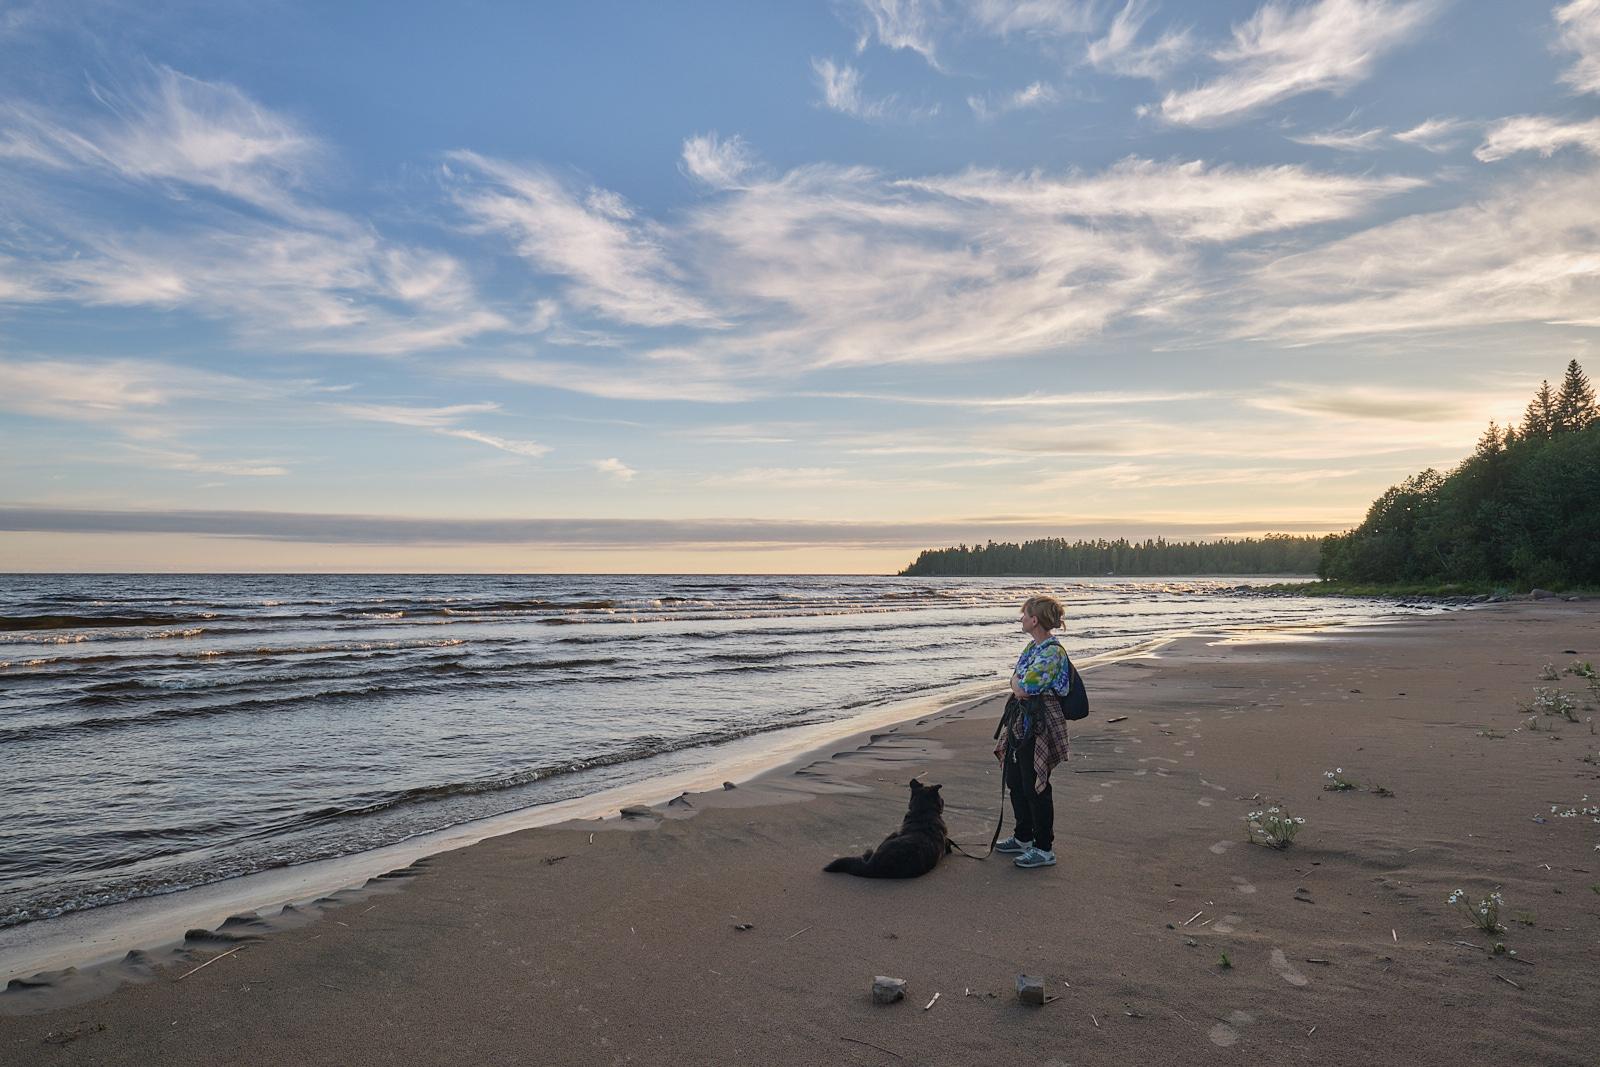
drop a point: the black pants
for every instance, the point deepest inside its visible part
(1035, 812)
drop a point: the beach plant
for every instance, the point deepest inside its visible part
(1557, 702)
(1223, 961)
(1338, 783)
(1583, 669)
(1485, 915)
(1549, 673)
(1491, 734)
(1273, 827)
(1382, 791)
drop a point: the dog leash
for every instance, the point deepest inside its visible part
(1012, 707)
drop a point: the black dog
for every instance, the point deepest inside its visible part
(912, 850)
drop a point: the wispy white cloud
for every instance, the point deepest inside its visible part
(66, 389)
(616, 469)
(840, 84)
(1344, 139)
(1193, 200)
(1537, 133)
(719, 163)
(178, 129)
(1283, 51)
(1523, 253)
(530, 449)
(1579, 21)
(1382, 403)
(402, 415)
(1037, 94)
(1435, 134)
(147, 404)
(901, 24)
(639, 381)
(442, 421)
(194, 463)
(1120, 52)
(1044, 18)
(243, 241)
(1084, 398)
(613, 262)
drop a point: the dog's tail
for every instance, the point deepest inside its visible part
(850, 864)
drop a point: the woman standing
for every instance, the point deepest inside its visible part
(1036, 738)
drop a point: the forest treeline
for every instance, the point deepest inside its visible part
(1058, 557)
(1523, 510)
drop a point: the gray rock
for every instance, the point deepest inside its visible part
(729, 785)
(886, 990)
(637, 811)
(1541, 594)
(1030, 990)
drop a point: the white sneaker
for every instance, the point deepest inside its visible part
(1012, 847)
(1035, 857)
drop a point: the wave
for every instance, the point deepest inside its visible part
(90, 622)
(134, 692)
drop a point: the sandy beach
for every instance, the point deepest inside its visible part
(620, 941)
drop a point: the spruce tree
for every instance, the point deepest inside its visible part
(1574, 405)
(1540, 418)
(1491, 443)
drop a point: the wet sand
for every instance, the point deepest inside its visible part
(618, 942)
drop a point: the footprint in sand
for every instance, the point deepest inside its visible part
(1190, 752)
(1204, 802)
(1227, 924)
(1214, 785)
(1286, 971)
(1243, 885)
(1222, 846)
(1097, 798)
(1140, 773)
(1225, 1034)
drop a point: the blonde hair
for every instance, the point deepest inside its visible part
(1044, 610)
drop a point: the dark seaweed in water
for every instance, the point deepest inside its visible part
(161, 731)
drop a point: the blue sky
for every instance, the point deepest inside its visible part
(767, 287)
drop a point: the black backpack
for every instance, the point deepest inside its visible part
(1075, 705)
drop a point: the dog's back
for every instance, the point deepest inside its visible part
(913, 850)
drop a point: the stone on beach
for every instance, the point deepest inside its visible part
(887, 990)
(1030, 990)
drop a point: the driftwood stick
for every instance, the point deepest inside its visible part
(208, 963)
(880, 1048)
(797, 933)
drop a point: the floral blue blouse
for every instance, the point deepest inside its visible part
(1042, 667)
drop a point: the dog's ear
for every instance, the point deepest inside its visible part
(933, 788)
(915, 784)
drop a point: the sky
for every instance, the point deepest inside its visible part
(731, 287)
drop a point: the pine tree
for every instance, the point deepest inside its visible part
(1540, 418)
(1491, 442)
(1574, 405)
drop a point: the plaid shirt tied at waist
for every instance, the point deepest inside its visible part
(1042, 716)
